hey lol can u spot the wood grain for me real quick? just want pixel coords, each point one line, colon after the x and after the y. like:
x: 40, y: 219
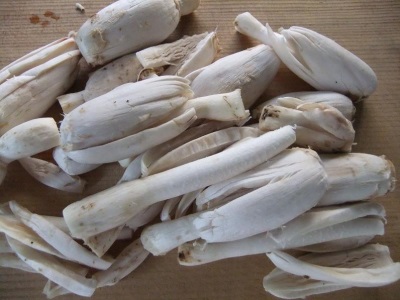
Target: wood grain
x: 370, y: 29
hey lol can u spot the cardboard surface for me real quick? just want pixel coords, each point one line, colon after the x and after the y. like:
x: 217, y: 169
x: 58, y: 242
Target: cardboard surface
x: 370, y: 29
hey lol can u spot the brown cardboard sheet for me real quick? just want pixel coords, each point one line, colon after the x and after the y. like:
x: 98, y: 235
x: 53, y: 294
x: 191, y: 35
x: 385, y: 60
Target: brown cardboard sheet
x: 370, y: 29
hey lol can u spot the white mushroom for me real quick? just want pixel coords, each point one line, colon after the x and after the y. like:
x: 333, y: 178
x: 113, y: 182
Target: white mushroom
x: 113, y: 207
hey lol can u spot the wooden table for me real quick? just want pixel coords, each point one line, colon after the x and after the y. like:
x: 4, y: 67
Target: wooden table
x: 370, y: 29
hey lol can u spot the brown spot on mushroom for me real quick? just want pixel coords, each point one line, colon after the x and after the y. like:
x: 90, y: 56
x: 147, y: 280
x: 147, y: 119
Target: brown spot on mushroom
x: 99, y: 58
x: 184, y: 255
x: 270, y: 113
x: 88, y: 206
x: 181, y: 255
x: 264, y: 114
x: 93, y: 18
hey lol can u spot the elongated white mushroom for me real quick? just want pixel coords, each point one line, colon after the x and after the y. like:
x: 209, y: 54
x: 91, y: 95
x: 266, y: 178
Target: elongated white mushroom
x: 37, y: 57
x: 263, y: 209
x: 250, y: 70
x: 57, y: 271
x: 126, y: 262
x: 201, y: 147
x: 361, y: 226
x: 313, y: 227
x: 288, y: 286
x: 52, y: 290
x: 32, y: 93
x: 127, y: 26
x: 290, y: 160
x: 51, y: 175
x: 13, y: 225
x: 367, y: 266
x: 336, y: 100
x: 319, y: 218
x: 326, y: 121
x: 125, y: 110
x: 357, y: 176
x: 58, y: 239
x: 318, y: 60
x: 135, y: 144
x: 113, y: 207
x: 27, y: 139
x: 13, y: 228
